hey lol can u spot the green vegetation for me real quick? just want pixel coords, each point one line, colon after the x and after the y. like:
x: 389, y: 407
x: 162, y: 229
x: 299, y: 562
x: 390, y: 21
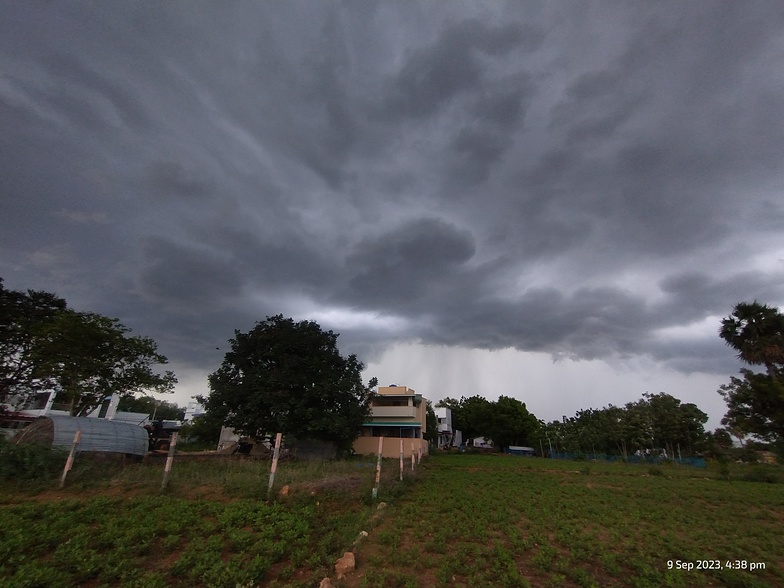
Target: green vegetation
x: 112, y: 527
x: 656, y: 421
x: 161, y: 409
x: 44, y: 345
x: 462, y: 520
x: 21, y: 464
x: 289, y: 377
x: 506, y: 421
x: 485, y: 520
x: 755, y: 402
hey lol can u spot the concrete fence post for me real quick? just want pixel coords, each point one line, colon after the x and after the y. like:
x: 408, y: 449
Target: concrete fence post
x: 69, y: 461
x: 169, y: 461
x: 401, y: 459
x: 274, y: 468
x: 378, y: 467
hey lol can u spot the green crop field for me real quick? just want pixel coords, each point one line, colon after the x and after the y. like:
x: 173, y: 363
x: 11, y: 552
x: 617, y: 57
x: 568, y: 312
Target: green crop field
x: 463, y: 520
x: 505, y: 521
x: 111, y: 525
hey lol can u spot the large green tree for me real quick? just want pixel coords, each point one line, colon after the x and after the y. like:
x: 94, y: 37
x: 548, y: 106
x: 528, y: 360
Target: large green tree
x: 84, y: 357
x: 755, y: 406
x: 755, y: 402
x: 22, y: 315
x: 289, y: 377
x: 510, y: 423
x: 474, y: 417
x: 675, y: 425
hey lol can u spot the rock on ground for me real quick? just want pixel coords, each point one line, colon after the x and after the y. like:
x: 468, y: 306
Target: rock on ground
x: 344, y: 565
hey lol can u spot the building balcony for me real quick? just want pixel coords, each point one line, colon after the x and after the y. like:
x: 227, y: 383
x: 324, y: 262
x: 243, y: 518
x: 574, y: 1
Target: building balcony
x: 394, y: 412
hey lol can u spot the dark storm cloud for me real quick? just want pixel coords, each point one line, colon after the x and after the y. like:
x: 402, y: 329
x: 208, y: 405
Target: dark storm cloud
x: 433, y: 75
x: 171, y: 178
x: 400, y: 267
x: 187, y: 277
x: 493, y: 120
x: 591, y: 183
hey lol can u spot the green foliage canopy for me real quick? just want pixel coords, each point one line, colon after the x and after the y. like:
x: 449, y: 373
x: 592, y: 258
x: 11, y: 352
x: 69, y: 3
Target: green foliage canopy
x: 656, y: 421
x: 84, y: 357
x: 289, y: 377
x: 510, y: 423
x: 506, y: 422
x: 159, y: 409
x: 755, y: 401
x: 756, y: 331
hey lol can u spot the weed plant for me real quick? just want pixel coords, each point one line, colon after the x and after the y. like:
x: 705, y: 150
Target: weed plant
x: 29, y: 462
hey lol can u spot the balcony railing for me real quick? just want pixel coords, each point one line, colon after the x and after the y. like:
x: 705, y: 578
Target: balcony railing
x: 394, y: 411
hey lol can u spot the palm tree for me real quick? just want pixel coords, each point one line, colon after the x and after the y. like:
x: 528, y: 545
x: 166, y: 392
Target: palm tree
x: 756, y: 331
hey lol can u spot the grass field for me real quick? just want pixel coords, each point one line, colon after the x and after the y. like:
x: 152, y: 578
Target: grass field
x: 465, y: 520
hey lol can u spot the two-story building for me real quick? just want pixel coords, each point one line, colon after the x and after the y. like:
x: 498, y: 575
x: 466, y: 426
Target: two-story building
x: 398, y: 413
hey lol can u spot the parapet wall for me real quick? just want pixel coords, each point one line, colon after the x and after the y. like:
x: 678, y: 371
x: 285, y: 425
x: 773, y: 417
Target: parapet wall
x: 391, y: 448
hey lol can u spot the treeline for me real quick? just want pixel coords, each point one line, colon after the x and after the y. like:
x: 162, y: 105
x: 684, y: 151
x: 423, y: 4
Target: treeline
x: 655, y: 422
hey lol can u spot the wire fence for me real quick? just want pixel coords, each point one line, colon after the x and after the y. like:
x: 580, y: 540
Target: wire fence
x: 697, y: 462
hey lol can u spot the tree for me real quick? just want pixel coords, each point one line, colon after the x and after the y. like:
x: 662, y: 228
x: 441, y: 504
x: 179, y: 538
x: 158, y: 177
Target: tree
x: 755, y: 406
x: 474, y: 417
x: 509, y: 423
x: 755, y: 402
x: 675, y: 425
x: 204, y: 429
x: 431, y: 428
x: 756, y: 331
x: 289, y: 377
x: 83, y: 357
x: 159, y: 409
x: 21, y: 315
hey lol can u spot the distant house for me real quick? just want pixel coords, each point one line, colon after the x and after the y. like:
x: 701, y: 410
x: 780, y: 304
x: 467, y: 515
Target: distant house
x: 398, y: 413
x: 194, y: 409
x: 482, y: 443
x: 447, y: 435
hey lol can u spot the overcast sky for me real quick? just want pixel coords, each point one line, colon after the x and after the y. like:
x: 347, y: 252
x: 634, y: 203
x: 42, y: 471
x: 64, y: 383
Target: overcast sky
x: 556, y: 201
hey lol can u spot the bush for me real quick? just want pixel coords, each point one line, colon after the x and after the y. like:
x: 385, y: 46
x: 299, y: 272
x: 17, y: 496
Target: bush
x: 764, y: 474
x: 29, y: 461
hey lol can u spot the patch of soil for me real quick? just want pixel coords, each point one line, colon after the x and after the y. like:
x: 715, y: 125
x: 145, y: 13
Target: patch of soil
x: 341, y: 484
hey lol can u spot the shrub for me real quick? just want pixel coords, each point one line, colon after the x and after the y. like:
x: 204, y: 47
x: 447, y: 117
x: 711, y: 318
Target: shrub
x: 29, y: 461
x: 762, y: 474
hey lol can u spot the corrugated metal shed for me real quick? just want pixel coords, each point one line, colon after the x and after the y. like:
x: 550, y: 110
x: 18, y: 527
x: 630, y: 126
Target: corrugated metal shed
x: 100, y: 435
